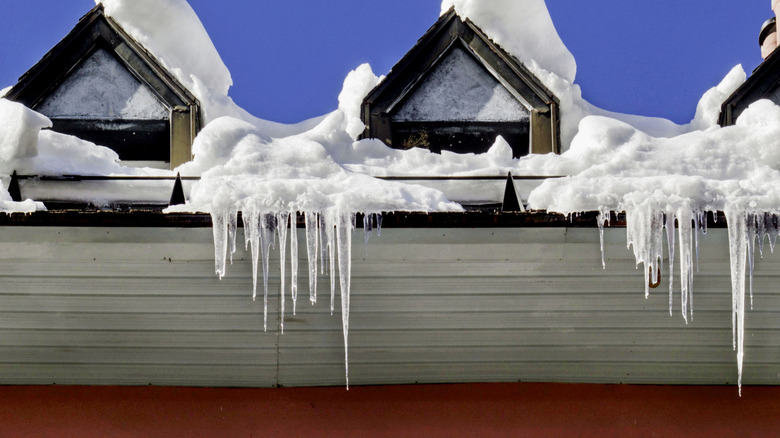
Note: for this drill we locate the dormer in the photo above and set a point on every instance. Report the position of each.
(456, 90)
(101, 85)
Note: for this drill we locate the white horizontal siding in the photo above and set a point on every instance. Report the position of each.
(142, 306)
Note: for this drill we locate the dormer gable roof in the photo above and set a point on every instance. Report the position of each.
(448, 32)
(96, 30)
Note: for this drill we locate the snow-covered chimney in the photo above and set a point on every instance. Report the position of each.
(768, 37)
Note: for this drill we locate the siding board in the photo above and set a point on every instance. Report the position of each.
(137, 306)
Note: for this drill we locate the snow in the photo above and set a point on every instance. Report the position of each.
(523, 28)
(19, 129)
(357, 85)
(28, 148)
(172, 32)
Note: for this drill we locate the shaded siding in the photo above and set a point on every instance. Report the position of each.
(142, 306)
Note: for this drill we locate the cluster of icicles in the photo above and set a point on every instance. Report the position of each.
(645, 229)
(328, 239)
(329, 245)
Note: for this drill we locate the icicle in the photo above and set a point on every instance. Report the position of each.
(324, 245)
(670, 218)
(344, 228)
(368, 230)
(684, 220)
(774, 229)
(601, 220)
(247, 225)
(378, 218)
(697, 218)
(752, 235)
(252, 239)
(761, 224)
(330, 223)
(281, 220)
(644, 228)
(703, 223)
(232, 228)
(267, 230)
(738, 243)
(220, 230)
(294, 256)
(312, 241)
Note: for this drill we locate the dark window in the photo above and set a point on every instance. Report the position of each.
(461, 137)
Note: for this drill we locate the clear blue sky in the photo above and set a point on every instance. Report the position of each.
(289, 57)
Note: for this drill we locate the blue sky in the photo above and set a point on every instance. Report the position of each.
(289, 57)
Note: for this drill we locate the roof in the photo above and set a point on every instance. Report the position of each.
(96, 30)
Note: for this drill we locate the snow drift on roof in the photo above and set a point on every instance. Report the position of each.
(175, 35)
(19, 128)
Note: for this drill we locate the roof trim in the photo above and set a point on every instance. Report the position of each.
(154, 217)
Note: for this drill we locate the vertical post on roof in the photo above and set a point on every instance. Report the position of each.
(13, 188)
(182, 135)
(177, 197)
(542, 132)
(511, 201)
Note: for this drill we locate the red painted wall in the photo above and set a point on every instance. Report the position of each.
(474, 410)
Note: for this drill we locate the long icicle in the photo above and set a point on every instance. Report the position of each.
(281, 219)
(330, 224)
(232, 230)
(738, 242)
(294, 257)
(684, 219)
(602, 219)
(220, 231)
(267, 231)
(344, 229)
(670, 218)
(322, 237)
(312, 250)
(252, 240)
